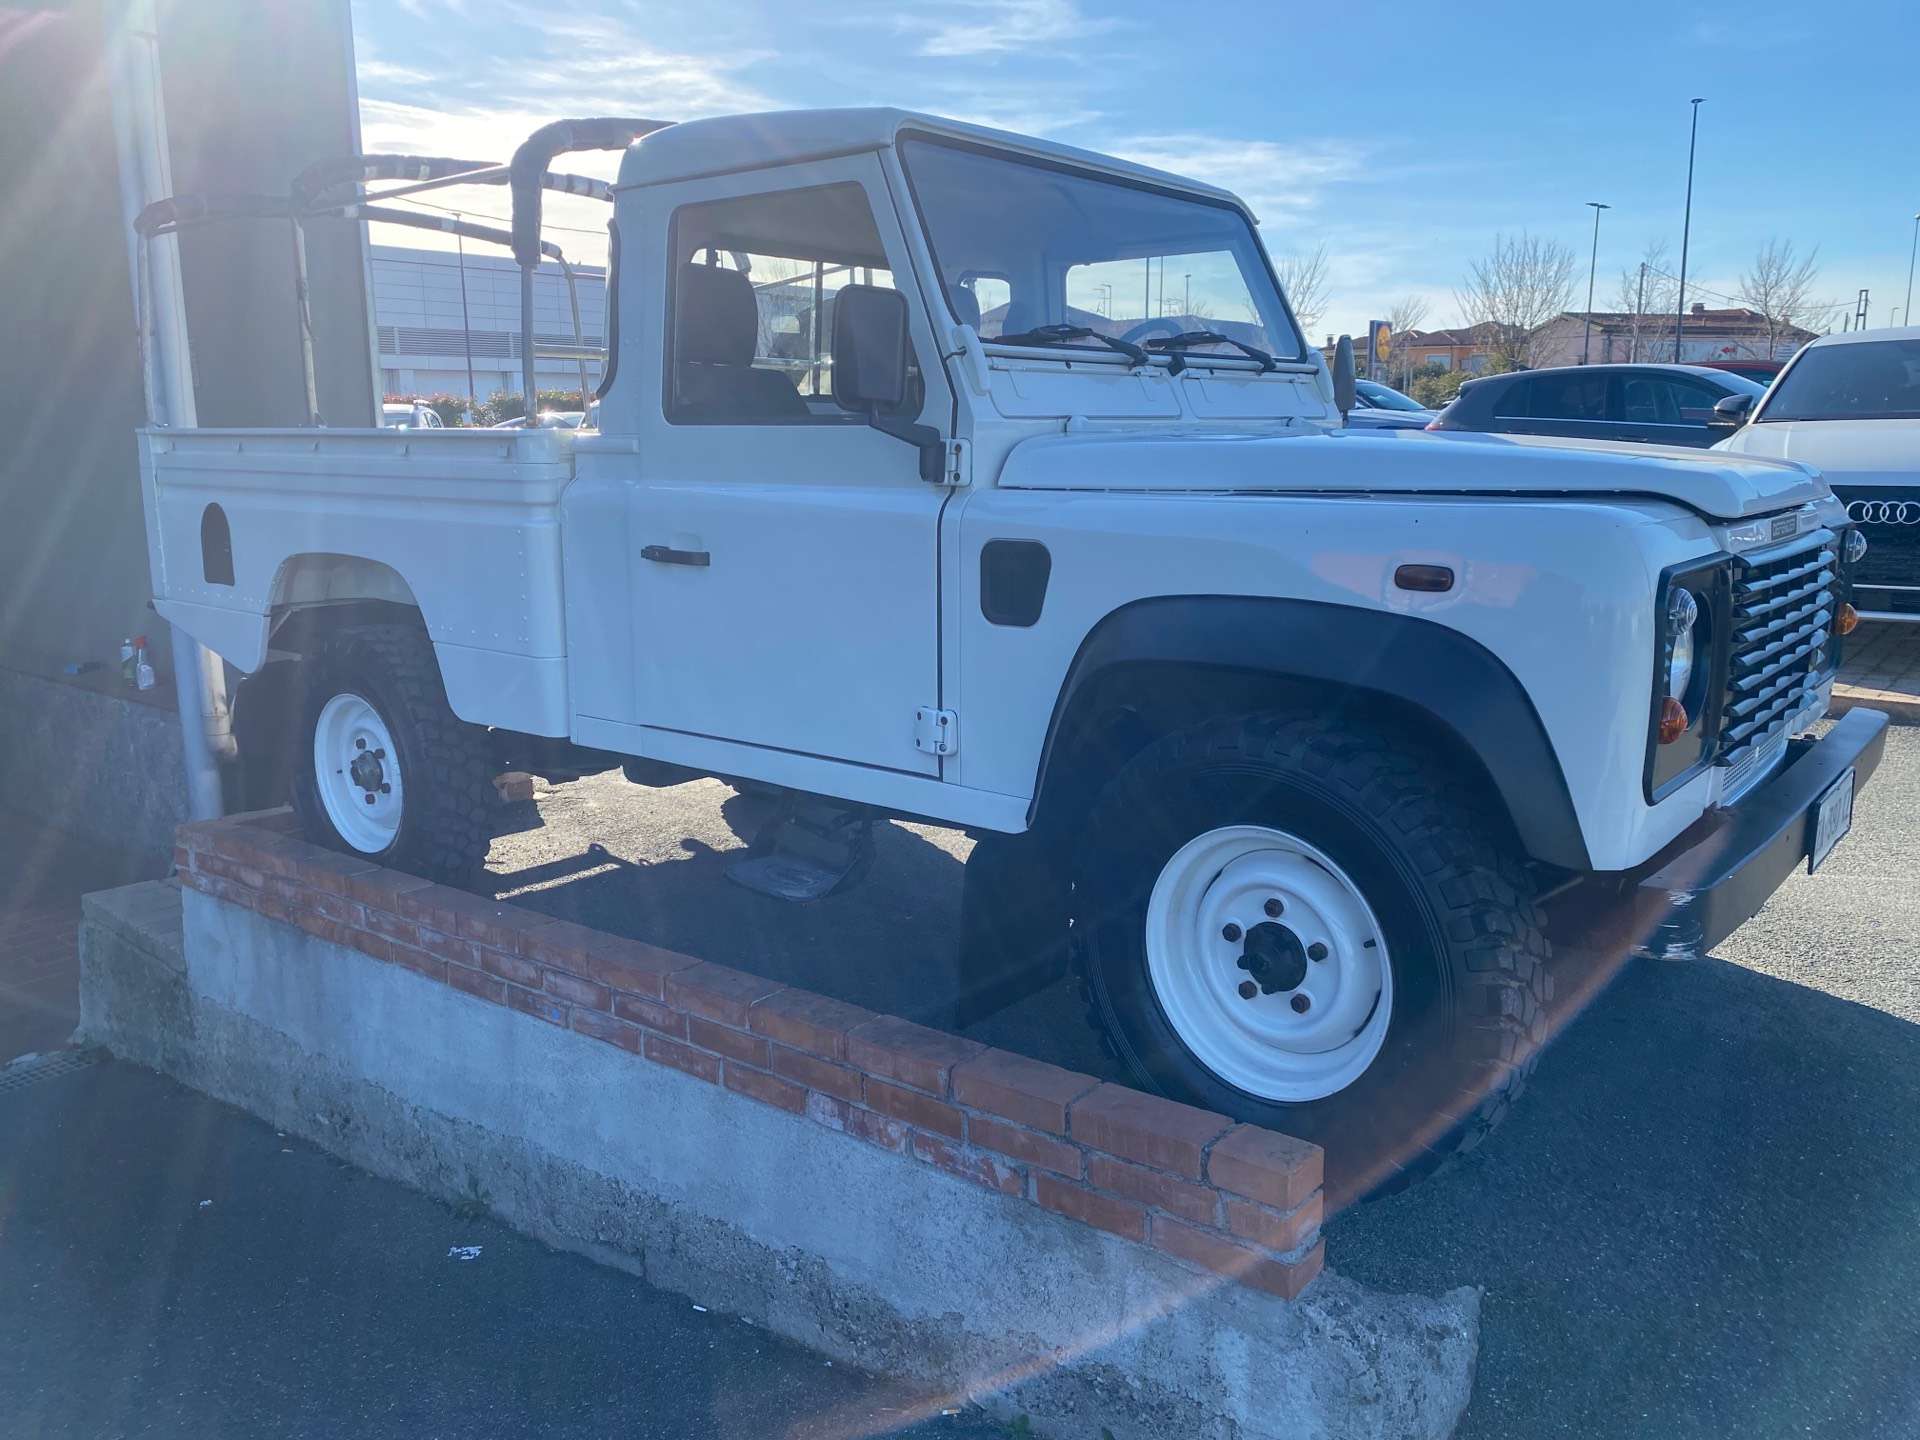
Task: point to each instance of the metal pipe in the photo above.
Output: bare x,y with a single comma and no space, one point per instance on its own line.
579,340
303,307
527,383
140,142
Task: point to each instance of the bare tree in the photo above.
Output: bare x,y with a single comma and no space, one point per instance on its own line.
1648,293
1522,284
1404,316
1304,279
1780,286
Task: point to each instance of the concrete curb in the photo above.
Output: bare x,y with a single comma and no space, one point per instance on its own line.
856,1251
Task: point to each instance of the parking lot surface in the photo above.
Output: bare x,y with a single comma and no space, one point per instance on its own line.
1697,1222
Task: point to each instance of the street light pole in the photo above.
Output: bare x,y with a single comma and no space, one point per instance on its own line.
1586,334
466,325
1686,231
1906,315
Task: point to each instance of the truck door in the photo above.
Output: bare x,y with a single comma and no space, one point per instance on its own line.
785,557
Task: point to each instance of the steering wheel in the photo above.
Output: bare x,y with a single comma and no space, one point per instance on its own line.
1158,325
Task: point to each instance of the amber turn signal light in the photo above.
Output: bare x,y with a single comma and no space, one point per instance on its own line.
1433,578
1847,621
1673,720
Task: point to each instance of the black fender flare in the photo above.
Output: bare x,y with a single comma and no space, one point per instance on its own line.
1447,676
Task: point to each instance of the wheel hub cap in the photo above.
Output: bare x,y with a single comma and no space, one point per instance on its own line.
1274,957
356,773
1289,1009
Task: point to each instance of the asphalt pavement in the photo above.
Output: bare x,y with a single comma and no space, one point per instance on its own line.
1699,1220
173,1269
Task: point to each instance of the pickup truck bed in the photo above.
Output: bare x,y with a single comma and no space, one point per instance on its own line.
439,506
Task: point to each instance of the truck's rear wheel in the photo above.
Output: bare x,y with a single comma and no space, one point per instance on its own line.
385,768
1313,930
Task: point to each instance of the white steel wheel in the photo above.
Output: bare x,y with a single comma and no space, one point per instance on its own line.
1268,963
356,771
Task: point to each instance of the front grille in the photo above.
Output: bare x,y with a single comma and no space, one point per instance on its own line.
1890,520
1783,608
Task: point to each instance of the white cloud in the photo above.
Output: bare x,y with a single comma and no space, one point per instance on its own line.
1280,181
960,28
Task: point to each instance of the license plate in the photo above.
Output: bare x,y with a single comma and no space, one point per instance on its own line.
1832,819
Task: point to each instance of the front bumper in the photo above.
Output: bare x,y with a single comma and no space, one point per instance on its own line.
1716,875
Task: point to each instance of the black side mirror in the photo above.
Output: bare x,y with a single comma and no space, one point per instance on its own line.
872,360
869,348
1730,412
1343,377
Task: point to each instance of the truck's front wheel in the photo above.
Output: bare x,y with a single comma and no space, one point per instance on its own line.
385,768
1310,929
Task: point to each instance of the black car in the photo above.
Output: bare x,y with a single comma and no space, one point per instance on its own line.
1649,404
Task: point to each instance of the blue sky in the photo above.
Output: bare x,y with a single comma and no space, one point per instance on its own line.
1404,136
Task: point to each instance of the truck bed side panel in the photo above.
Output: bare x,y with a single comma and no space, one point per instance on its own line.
465,523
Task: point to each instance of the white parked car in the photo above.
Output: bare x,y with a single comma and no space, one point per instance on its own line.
1850,406
1381,407
409,415
1280,728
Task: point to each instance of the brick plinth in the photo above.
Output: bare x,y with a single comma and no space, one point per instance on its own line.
1239,1201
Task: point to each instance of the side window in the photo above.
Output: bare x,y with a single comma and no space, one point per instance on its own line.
987,297
751,318
1693,402
1570,397
1511,402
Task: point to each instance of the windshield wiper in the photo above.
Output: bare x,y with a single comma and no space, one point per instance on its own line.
1176,345
1065,335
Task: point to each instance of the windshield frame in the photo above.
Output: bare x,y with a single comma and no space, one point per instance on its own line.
1301,360
1762,415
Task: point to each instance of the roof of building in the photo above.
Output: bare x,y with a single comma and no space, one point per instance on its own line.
1735,320
784,137
1462,335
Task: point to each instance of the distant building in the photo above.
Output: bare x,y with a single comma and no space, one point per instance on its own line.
423,340
1622,336
1466,348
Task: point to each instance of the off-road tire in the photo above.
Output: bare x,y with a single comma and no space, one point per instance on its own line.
448,822
1472,986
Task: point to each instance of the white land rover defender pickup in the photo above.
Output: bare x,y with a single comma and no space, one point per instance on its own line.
912,498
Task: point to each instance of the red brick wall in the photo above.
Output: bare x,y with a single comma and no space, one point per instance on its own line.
1232,1199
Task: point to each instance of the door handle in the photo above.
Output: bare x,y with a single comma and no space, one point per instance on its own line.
667,555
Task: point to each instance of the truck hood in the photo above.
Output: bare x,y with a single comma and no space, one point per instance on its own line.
1723,486
1848,452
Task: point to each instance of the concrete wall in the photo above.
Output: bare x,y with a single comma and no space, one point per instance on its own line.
105,767
73,556
255,91
860,1253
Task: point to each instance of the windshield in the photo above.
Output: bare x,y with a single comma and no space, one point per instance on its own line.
1385,397
1868,380
1021,244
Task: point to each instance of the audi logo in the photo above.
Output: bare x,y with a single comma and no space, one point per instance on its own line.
1885,512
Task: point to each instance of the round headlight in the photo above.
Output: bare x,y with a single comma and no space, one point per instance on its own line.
1683,617
1680,668
1856,546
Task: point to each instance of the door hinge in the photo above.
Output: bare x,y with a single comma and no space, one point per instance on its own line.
937,732
957,463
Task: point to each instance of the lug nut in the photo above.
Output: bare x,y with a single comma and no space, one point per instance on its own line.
379,754
1274,909
385,789
1230,932
1300,1003
1248,989
1316,951
369,797
359,744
